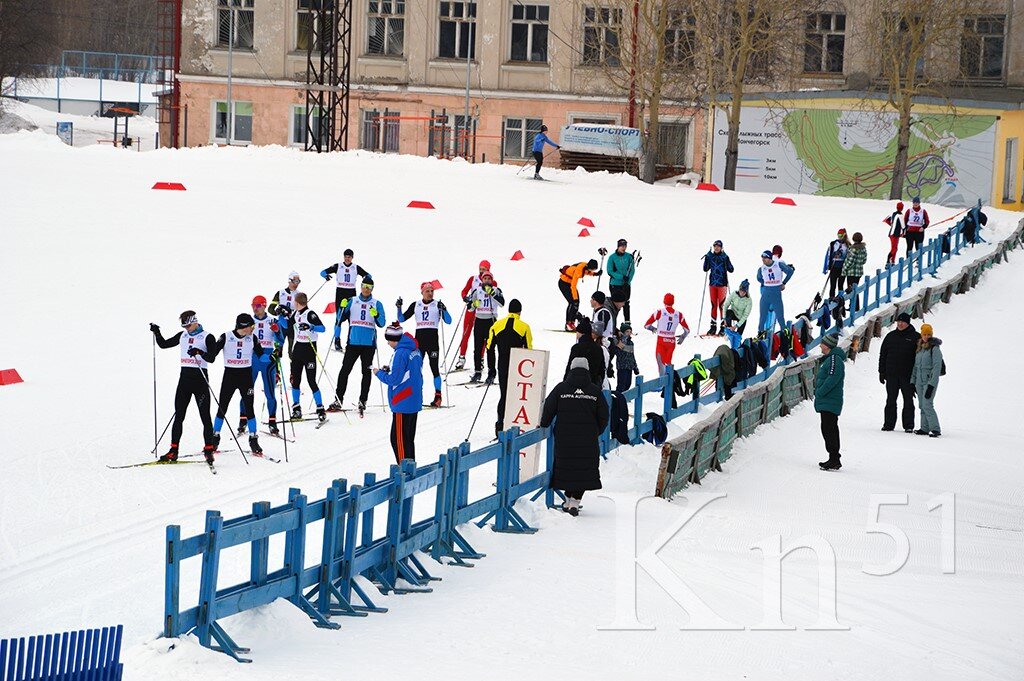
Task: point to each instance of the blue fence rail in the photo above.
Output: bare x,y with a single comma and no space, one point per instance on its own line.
88,655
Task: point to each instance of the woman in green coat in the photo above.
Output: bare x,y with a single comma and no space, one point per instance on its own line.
737,308
828,397
925,379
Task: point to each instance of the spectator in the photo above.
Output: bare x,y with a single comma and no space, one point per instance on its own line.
853,266
737,308
835,255
828,398
928,366
895,365
587,348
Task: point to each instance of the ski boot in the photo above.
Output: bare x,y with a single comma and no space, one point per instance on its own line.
570,326
321,414
460,363
337,344
208,454
335,405
296,412
171,456
491,375
361,407
829,465
713,331
254,445
242,427
475,378
273,427
537,176
437,399
216,440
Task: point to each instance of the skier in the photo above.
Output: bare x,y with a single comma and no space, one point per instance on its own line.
895,222
586,347
718,265
835,254
928,367
569,279
665,323
404,379
307,328
429,314
283,306
828,398
484,301
238,347
469,317
895,367
621,268
582,415
625,358
348,275
507,333
915,221
269,335
772,276
539,140
196,347
853,266
605,312
737,308
364,315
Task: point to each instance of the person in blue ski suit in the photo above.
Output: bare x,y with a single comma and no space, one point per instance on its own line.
364,315
772,276
404,379
539,140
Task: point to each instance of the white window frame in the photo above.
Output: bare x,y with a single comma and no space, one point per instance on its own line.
603,20
982,37
680,120
682,24
387,131
236,7
233,122
469,12
526,144
530,23
821,36
1012,150
392,12
299,110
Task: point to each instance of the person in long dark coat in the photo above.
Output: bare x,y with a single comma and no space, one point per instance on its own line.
580,413
587,348
895,365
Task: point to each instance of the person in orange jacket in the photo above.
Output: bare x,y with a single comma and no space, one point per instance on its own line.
568,280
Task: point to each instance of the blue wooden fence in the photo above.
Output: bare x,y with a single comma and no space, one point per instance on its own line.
89,655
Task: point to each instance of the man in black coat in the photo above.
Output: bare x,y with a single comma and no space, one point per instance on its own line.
895,364
582,415
587,348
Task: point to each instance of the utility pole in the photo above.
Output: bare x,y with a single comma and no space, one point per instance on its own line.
465,119
231,54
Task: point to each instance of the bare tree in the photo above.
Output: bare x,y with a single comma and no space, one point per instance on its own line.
27,37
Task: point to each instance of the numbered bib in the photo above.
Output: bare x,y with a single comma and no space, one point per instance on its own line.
188,342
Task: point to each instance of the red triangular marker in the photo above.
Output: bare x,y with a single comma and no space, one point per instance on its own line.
518,255
586,222
584,232
783,201
436,284
174,186
9,377
330,309
707,186
421,204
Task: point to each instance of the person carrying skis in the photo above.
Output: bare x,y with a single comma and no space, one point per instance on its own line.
283,305
404,379
307,329
196,349
539,140
835,255
364,315
469,317
238,347
485,301
348,276
507,333
737,308
828,398
429,314
915,221
895,222
773,276
268,334
621,268
666,323
625,358
895,367
568,280
718,266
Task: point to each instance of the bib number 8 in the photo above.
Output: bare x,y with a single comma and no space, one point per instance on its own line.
362,314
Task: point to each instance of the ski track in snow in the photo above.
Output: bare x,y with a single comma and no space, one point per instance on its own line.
97,255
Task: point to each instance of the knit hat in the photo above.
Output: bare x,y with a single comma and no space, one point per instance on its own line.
600,297
625,326
718,242
293,275
903,317
591,264
368,281
393,332
514,306
745,285
618,295
926,330
259,300
777,251
579,363
425,285
486,274
244,321
597,328
349,252
621,242
583,326
841,232
917,200
485,264
830,340
188,317
766,254
899,206
669,299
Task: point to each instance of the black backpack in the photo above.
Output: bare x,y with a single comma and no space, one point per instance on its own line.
659,432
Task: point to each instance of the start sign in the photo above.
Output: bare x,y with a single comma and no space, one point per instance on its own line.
524,401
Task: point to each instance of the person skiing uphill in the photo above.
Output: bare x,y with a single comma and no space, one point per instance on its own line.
404,379
268,334
429,314
195,347
895,222
507,333
348,276
283,305
364,315
666,323
772,276
239,348
568,280
915,222
835,256
621,268
737,308
469,318
308,327
485,301
895,367
718,266
539,140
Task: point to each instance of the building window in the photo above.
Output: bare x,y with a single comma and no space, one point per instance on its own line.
601,26
588,119
909,33
680,39
530,32
457,34
380,130
307,23
239,13
241,122
300,131
672,143
824,42
981,47
1010,171
519,134
386,28
450,137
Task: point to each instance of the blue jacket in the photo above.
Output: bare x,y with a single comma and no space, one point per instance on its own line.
405,379
719,265
539,140
828,383
363,335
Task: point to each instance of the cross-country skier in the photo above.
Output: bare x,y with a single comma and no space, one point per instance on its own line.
915,221
269,335
404,379
485,301
507,333
365,315
835,256
429,314
307,329
238,347
718,266
469,317
196,348
737,308
283,306
621,268
568,280
539,140
772,276
895,222
348,274
666,323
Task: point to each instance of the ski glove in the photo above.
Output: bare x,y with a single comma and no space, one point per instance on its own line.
881,378
680,339
398,303
373,312
192,352
468,300
650,327
598,273
284,310
303,326
928,392
325,275
154,328
441,307
344,303
475,304
488,289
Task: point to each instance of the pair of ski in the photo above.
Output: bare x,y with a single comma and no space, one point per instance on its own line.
302,419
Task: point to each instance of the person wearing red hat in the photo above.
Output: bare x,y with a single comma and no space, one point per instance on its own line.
835,256
666,323
429,315
469,318
271,339
895,222
485,301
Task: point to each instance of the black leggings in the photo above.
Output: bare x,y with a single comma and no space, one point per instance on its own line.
851,284
403,436
835,279
539,157
731,319
341,294
573,307
191,384
481,328
304,357
352,353
239,379
625,289
426,340
915,240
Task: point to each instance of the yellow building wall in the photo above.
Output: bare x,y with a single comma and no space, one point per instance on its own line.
1009,126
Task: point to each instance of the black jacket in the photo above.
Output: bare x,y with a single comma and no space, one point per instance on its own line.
588,348
582,414
896,358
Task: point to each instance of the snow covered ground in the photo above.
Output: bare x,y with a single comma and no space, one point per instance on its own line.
88,130
92,255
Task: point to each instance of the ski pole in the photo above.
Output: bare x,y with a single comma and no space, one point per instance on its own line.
323,366
156,440
527,164
316,291
383,402
447,396
452,343
217,402
703,295
471,427
325,376
163,432
284,403
603,251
